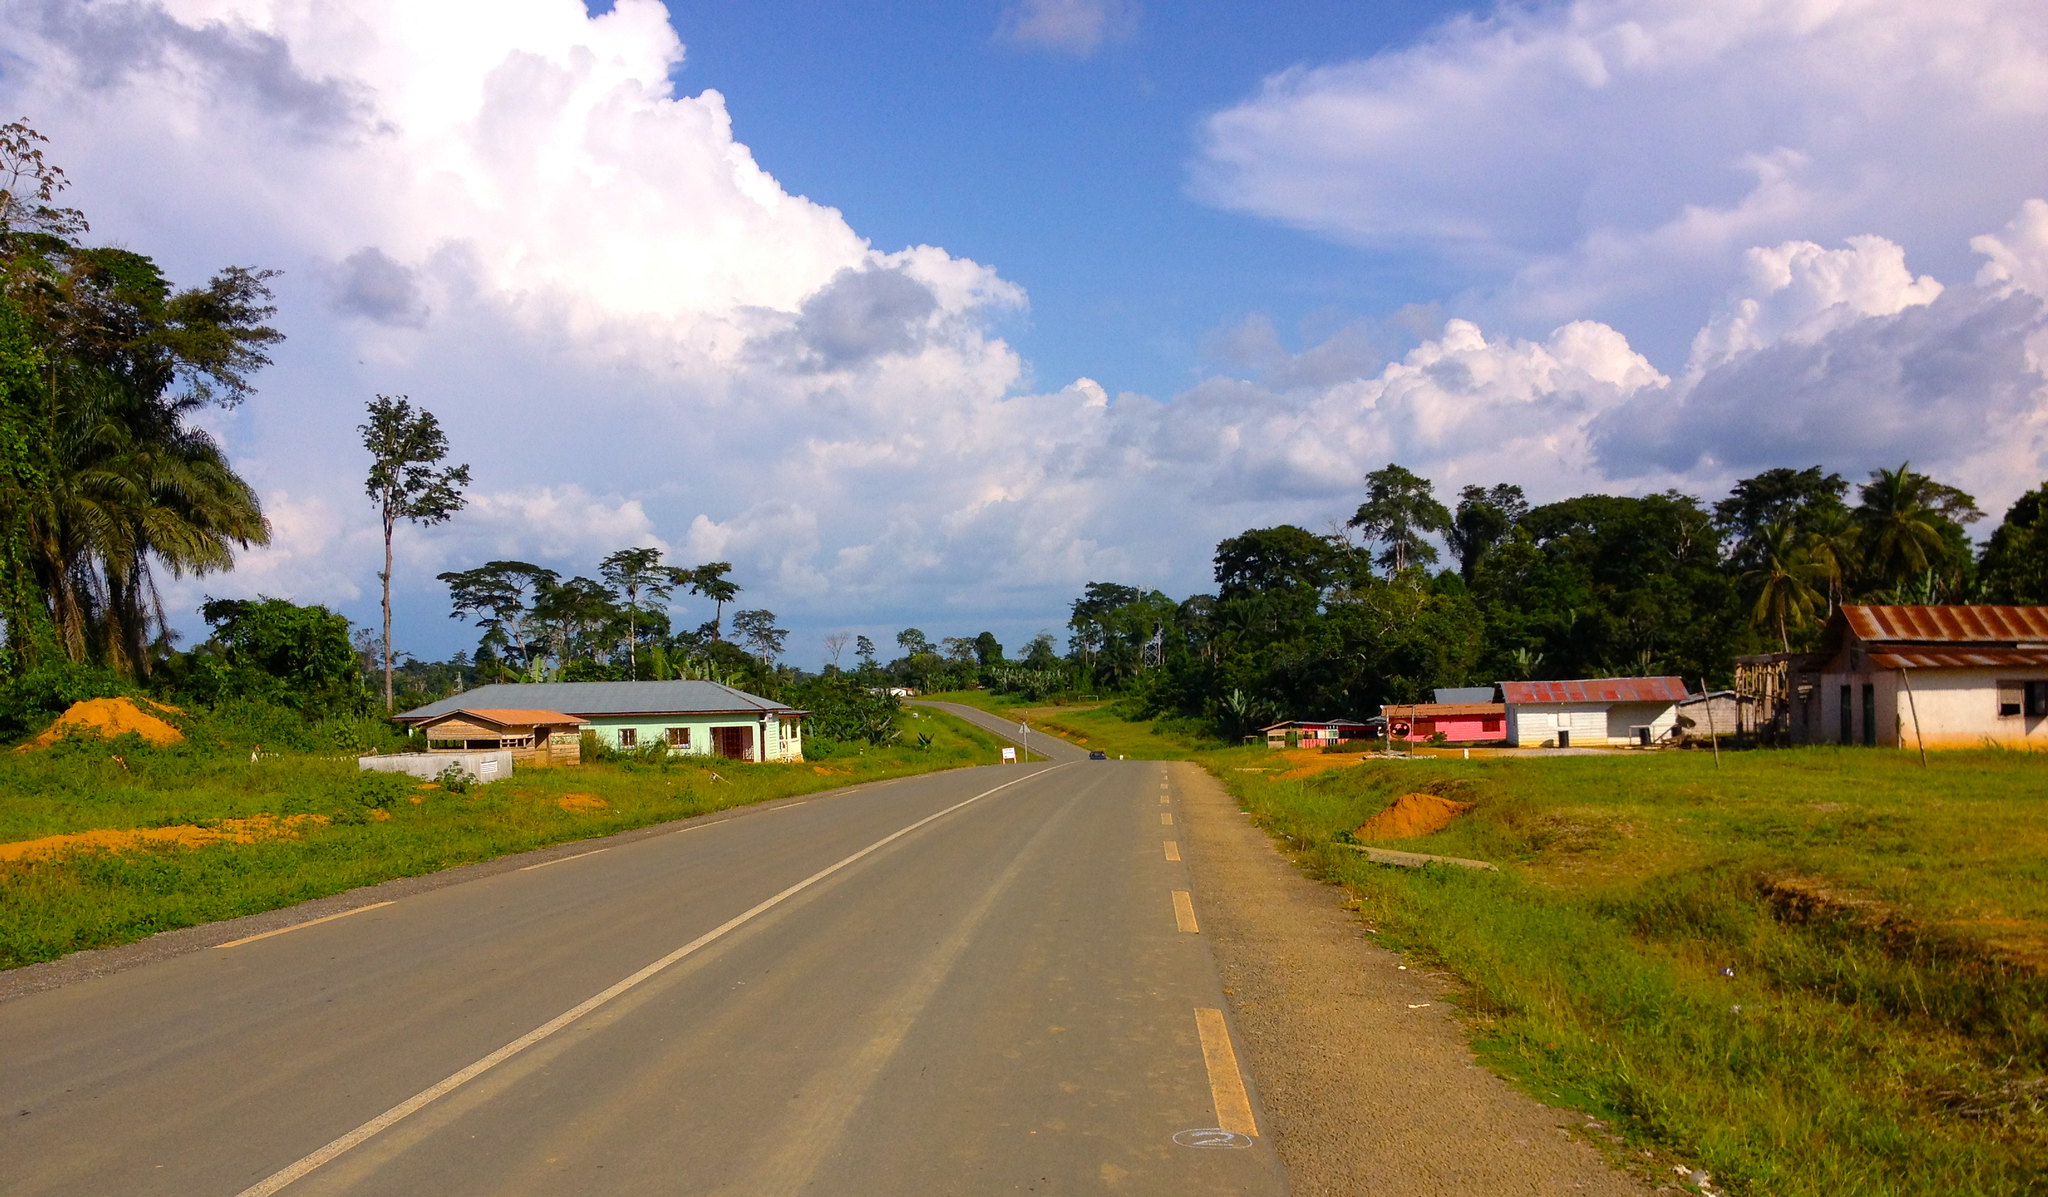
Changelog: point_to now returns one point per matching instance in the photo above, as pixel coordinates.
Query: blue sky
(932, 314)
(1068, 174)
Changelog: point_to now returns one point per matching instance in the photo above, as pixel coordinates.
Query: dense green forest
(1412, 593)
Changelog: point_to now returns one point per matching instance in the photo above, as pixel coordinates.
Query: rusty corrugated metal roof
(1441, 710)
(1949, 624)
(1920, 658)
(1598, 689)
(503, 716)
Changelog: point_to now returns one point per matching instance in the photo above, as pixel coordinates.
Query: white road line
(236, 943)
(559, 859)
(418, 1101)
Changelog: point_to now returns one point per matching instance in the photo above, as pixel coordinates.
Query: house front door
(733, 743)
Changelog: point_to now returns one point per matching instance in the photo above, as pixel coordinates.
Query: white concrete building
(1948, 676)
(1592, 712)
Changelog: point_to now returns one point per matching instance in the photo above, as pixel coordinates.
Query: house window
(2012, 699)
(679, 737)
(629, 737)
(2037, 700)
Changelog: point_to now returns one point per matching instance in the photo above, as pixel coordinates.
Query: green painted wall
(648, 730)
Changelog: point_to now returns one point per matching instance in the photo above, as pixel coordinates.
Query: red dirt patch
(111, 717)
(583, 803)
(1412, 815)
(228, 831)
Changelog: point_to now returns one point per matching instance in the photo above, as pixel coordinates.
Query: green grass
(377, 829)
(1882, 1026)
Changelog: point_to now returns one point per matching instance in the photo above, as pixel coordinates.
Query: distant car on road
(1098, 756)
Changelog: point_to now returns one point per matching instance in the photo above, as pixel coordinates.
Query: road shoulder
(1365, 1075)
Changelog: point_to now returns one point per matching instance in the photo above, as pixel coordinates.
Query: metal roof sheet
(1597, 689)
(503, 716)
(604, 698)
(1955, 623)
(1441, 710)
(1464, 694)
(1959, 658)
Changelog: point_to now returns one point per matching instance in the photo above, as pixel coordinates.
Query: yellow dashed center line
(1166, 818)
(1172, 850)
(1184, 911)
(1226, 1083)
(1164, 799)
(236, 943)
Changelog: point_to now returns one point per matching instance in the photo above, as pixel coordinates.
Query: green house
(697, 717)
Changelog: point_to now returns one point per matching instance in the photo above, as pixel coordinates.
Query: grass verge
(370, 827)
(1808, 972)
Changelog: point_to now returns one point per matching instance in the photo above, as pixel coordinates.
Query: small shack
(533, 736)
(1592, 712)
(1457, 722)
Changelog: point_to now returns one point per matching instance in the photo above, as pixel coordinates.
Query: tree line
(1411, 593)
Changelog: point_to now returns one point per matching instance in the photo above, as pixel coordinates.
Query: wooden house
(534, 736)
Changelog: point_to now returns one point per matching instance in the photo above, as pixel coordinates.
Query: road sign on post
(1009, 756)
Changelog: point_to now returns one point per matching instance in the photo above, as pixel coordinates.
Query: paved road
(972, 982)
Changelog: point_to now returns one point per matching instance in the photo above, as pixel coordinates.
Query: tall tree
(502, 594)
(407, 482)
(1483, 519)
(709, 581)
(864, 651)
(102, 478)
(1400, 507)
(757, 630)
(637, 572)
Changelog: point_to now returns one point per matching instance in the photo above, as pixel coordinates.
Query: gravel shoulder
(1364, 1073)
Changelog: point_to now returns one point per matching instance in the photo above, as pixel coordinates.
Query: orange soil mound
(1307, 762)
(233, 831)
(111, 717)
(583, 802)
(824, 771)
(1411, 815)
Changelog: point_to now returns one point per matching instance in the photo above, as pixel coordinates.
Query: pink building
(1462, 722)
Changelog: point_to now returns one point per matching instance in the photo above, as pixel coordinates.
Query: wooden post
(1914, 707)
(1713, 737)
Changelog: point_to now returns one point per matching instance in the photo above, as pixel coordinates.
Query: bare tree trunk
(385, 577)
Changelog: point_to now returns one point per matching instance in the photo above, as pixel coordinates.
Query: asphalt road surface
(984, 981)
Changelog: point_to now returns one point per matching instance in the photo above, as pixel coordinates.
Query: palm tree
(1900, 534)
(1784, 580)
(129, 488)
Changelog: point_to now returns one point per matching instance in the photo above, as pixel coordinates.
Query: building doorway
(733, 743)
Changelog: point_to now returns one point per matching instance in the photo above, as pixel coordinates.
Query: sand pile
(582, 802)
(1411, 815)
(237, 831)
(1307, 762)
(112, 717)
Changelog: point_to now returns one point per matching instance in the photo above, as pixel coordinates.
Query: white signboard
(1009, 756)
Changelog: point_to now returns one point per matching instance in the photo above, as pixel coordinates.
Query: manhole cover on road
(1214, 1136)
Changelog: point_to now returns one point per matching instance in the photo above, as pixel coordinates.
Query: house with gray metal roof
(694, 717)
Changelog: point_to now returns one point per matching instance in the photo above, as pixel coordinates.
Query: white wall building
(1592, 712)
